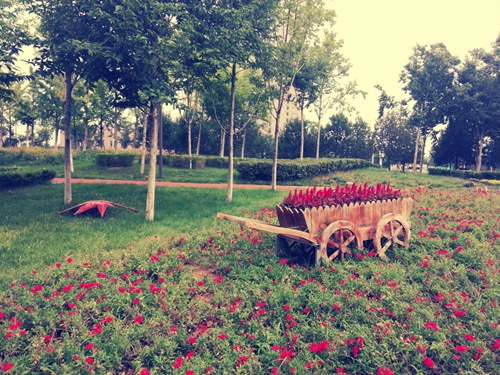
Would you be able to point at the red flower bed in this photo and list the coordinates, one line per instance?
(328, 196)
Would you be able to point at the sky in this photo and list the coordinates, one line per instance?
(379, 37)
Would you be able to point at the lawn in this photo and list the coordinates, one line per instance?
(191, 294)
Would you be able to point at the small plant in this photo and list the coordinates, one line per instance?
(328, 196)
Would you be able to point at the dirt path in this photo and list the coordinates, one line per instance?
(172, 184)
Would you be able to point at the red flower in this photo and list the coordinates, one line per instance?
(469, 337)
(6, 367)
(192, 340)
(462, 348)
(89, 360)
(317, 348)
(496, 345)
(139, 319)
(189, 372)
(428, 362)
(384, 371)
(460, 313)
(432, 326)
(144, 372)
(222, 336)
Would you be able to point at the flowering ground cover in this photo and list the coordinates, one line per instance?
(226, 304)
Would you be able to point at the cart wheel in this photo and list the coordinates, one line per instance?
(338, 239)
(392, 230)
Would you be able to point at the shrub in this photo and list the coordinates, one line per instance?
(217, 162)
(486, 175)
(38, 154)
(289, 170)
(182, 161)
(115, 160)
(14, 177)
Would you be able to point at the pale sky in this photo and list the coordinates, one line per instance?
(379, 36)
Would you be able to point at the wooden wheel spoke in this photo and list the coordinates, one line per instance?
(399, 242)
(386, 246)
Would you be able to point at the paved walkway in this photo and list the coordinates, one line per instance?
(173, 184)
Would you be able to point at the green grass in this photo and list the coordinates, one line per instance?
(34, 234)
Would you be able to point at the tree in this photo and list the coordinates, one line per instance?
(13, 37)
(344, 139)
(66, 45)
(428, 78)
(394, 138)
(292, 135)
(299, 26)
(479, 94)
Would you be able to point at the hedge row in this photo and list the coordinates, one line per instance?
(11, 155)
(182, 161)
(290, 170)
(121, 160)
(16, 177)
(485, 175)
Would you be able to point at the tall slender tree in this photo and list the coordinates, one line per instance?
(428, 78)
(299, 27)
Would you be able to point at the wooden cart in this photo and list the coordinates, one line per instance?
(334, 231)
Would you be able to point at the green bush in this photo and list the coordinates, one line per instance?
(290, 170)
(14, 177)
(221, 162)
(182, 161)
(38, 154)
(485, 175)
(121, 160)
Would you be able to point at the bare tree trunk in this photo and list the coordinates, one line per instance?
(198, 141)
(67, 136)
(320, 115)
(243, 139)
(115, 130)
(150, 199)
(56, 136)
(302, 131)
(422, 154)
(415, 154)
(229, 196)
(27, 135)
(222, 142)
(143, 144)
(479, 156)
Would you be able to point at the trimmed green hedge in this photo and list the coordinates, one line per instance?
(485, 175)
(182, 161)
(121, 160)
(11, 155)
(290, 170)
(15, 177)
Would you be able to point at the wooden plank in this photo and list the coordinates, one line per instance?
(271, 228)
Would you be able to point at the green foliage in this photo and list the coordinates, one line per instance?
(121, 160)
(486, 175)
(11, 177)
(289, 170)
(182, 161)
(217, 162)
(31, 154)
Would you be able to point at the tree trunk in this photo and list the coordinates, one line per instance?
(27, 135)
(320, 115)
(143, 144)
(222, 142)
(115, 130)
(415, 154)
(229, 196)
(150, 199)
(243, 139)
(198, 141)
(479, 156)
(67, 135)
(424, 136)
(302, 130)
